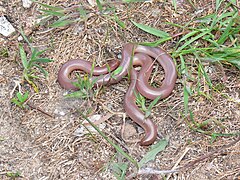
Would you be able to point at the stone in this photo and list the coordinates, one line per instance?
(6, 28)
(27, 3)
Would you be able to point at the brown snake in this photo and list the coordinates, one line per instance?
(132, 55)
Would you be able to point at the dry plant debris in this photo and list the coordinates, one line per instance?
(40, 142)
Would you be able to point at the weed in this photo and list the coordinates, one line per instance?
(13, 174)
(20, 99)
(154, 150)
(141, 101)
(85, 88)
(115, 72)
(30, 64)
(119, 170)
(85, 85)
(4, 52)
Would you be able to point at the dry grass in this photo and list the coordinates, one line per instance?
(43, 147)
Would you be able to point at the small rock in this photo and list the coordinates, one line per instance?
(20, 38)
(92, 2)
(62, 113)
(130, 131)
(6, 28)
(27, 3)
(2, 9)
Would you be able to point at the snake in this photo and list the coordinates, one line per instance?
(132, 55)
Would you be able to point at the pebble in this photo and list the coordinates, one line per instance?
(2, 9)
(27, 3)
(20, 38)
(6, 28)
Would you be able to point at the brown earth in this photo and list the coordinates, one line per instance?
(42, 144)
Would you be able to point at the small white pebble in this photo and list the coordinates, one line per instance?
(27, 3)
(6, 28)
(65, 93)
(2, 9)
(62, 113)
(20, 38)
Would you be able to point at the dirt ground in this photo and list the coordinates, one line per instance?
(46, 145)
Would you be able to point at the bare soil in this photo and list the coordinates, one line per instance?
(43, 144)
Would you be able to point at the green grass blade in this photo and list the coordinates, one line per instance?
(61, 23)
(20, 97)
(205, 74)
(23, 57)
(41, 52)
(156, 43)
(82, 12)
(41, 69)
(174, 3)
(119, 22)
(43, 60)
(76, 94)
(53, 8)
(185, 37)
(16, 102)
(26, 39)
(218, 4)
(193, 40)
(153, 103)
(185, 99)
(206, 19)
(117, 71)
(99, 5)
(226, 16)
(235, 62)
(34, 54)
(183, 66)
(53, 13)
(151, 30)
(226, 33)
(25, 96)
(190, 34)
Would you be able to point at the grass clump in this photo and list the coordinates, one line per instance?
(33, 63)
(56, 17)
(214, 38)
(85, 88)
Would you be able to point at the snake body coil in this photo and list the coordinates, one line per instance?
(132, 55)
